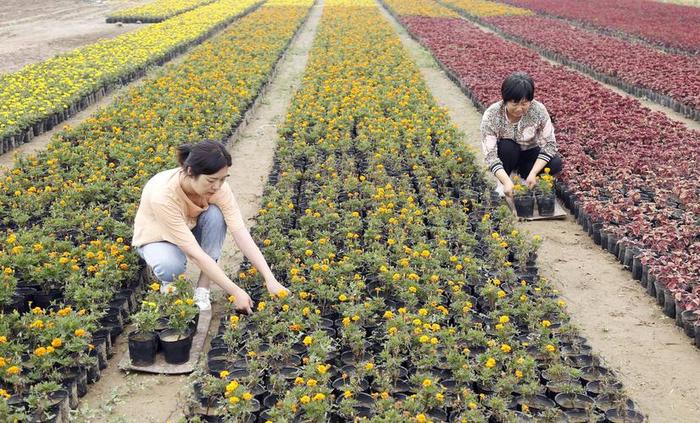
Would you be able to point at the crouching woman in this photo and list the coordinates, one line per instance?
(184, 214)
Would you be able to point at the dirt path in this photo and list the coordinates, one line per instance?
(142, 398)
(32, 31)
(651, 356)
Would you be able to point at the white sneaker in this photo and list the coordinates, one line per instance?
(499, 189)
(201, 298)
(167, 288)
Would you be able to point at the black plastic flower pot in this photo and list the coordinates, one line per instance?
(574, 401)
(545, 204)
(624, 416)
(175, 346)
(597, 228)
(142, 348)
(637, 268)
(659, 287)
(80, 374)
(524, 205)
(341, 385)
(697, 336)
(669, 304)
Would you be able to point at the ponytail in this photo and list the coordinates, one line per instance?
(205, 157)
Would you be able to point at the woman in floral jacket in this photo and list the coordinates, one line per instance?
(517, 135)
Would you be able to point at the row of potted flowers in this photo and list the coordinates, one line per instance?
(413, 299)
(658, 23)
(75, 256)
(630, 172)
(156, 11)
(41, 95)
(669, 79)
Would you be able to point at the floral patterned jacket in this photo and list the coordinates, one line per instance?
(532, 130)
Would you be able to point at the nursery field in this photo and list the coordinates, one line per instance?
(416, 293)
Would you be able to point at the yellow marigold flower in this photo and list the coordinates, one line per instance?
(546, 323)
(421, 418)
(322, 369)
(499, 326)
(308, 340)
(342, 297)
(231, 298)
(4, 394)
(299, 380)
(369, 366)
(506, 348)
(518, 374)
(37, 310)
(155, 286)
(503, 319)
(319, 397)
(267, 242)
(282, 295)
(388, 314)
(3, 362)
(423, 312)
(424, 339)
(347, 394)
(434, 341)
(80, 332)
(427, 383)
(37, 324)
(501, 294)
(13, 370)
(261, 305)
(223, 374)
(425, 253)
(561, 303)
(50, 349)
(311, 383)
(392, 330)
(56, 343)
(472, 405)
(234, 400)
(439, 397)
(232, 386)
(40, 352)
(396, 277)
(384, 395)
(247, 396)
(491, 362)
(550, 348)
(305, 399)
(308, 253)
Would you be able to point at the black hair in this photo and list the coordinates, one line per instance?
(518, 86)
(204, 158)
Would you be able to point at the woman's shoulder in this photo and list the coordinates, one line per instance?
(538, 107)
(492, 111)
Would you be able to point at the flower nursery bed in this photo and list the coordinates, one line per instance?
(71, 257)
(39, 96)
(413, 298)
(665, 25)
(637, 187)
(156, 11)
(666, 78)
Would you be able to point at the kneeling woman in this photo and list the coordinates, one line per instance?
(184, 214)
(517, 135)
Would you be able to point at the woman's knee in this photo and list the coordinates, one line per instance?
(167, 269)
(212, 216)
(508, 152)
(556, 165)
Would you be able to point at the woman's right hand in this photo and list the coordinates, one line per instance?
(242, 301)
(508, 188)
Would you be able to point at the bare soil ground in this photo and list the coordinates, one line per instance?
(35, 30)
(646, 350)
(142, 398)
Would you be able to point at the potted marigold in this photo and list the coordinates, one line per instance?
(523, 199)
(545, 194)
(143, 342)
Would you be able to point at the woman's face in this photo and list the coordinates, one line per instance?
(208, 185)
(517, 109)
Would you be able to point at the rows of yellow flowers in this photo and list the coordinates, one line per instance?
(486, 8)
(401, 274)
(48, 89)
(422, 8)
(67, 211)
(156, 11)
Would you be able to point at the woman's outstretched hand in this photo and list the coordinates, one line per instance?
(242, 302)
(275, 288)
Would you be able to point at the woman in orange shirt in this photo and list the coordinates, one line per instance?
(184, 213)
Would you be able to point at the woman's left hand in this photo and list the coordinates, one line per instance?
(275, 288)
(531, 181)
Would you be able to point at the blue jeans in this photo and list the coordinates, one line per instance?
(168, 261)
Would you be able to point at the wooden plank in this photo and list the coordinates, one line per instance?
(559, 211)
(161, 367)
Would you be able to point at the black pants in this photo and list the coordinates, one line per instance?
(522, 160)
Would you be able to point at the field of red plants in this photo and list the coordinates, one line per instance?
(663, 24)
